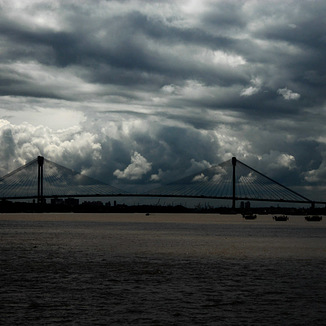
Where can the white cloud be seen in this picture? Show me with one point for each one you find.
(200, 177)
(72, 147)
(276, 161)
(286, 160)
(136, 169)
(220, 57)
(251, 90)
(288, 94)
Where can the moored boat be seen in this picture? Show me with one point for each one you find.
(280, 218)
(314, 218)
(249, 216)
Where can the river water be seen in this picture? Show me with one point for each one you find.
(162, 269)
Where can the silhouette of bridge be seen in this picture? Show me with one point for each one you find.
(231, 180)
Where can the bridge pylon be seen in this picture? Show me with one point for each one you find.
(40, 162)
(234, 163)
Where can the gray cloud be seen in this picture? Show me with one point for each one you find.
(183, 84)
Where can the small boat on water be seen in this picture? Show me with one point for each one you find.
(313, 218)
(249, 216)
(280, 218)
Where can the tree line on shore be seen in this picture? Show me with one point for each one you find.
(73, 206)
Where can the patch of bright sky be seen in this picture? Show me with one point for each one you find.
(23, 12)
(192, 7)
(52, 118)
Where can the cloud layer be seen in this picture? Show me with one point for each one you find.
(137, 92)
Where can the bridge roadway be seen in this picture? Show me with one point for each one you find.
(170, 196)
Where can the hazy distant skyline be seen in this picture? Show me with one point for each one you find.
(135, 92)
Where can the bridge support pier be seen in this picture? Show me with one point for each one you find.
(40, 161)
(234, 162)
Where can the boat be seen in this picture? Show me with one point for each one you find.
(280, 218)
(249, 216)
(314, 218)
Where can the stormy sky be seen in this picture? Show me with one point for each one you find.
(146, 92)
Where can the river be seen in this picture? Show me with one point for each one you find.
(161, 269)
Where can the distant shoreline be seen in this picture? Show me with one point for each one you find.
(96, 207)
(192, 218)
(118, 217)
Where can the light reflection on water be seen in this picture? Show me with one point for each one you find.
(162, 271)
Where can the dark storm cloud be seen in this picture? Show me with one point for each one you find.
(123, 53)
(163, 89)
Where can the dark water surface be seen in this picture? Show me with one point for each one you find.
(226, 271)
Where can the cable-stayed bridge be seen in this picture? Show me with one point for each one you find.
(231, 180)
(42, 178)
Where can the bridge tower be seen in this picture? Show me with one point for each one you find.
(40, 162)
(234, 162)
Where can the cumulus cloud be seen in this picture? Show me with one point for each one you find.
(286, 160)
(136, 169)
(200, 177)
(288, 94)
(73, 147)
